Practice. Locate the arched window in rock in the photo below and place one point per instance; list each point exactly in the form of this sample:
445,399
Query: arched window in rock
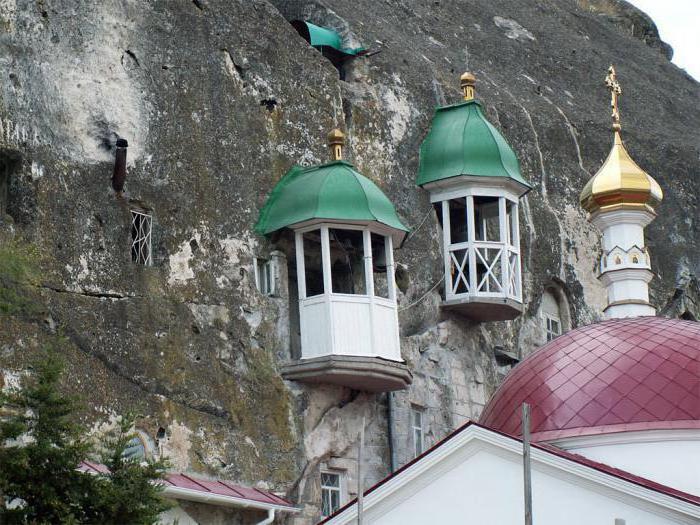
139,448
554,312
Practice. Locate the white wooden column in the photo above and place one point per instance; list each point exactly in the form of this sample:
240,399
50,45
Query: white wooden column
369,289
327,284
471,239
390,277
369,271
503,225
446,248
301,268
326,261
516,243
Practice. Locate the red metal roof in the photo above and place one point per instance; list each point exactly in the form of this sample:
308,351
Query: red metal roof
217,487
576,458
624,374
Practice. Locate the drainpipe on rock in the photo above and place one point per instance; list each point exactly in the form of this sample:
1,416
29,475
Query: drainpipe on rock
390,430
119,175
270,518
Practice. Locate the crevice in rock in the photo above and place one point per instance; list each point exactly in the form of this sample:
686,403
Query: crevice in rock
199,4
84,293
158,390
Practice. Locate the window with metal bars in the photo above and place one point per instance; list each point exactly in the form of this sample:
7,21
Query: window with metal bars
330,492
141,227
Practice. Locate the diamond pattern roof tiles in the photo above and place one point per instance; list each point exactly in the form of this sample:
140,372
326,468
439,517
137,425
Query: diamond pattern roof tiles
623,374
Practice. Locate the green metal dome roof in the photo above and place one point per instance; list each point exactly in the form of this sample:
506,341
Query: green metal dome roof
333,191
320,37
462,142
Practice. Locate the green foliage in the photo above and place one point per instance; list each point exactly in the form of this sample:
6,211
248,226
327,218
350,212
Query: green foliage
18,269
130,496
42,447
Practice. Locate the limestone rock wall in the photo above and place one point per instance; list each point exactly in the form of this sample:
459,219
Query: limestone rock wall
217,100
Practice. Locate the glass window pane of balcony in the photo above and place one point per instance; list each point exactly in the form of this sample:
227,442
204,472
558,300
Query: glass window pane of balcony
313,266
379,265
486,221
347,261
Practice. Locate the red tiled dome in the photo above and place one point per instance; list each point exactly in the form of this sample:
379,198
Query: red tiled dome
625,374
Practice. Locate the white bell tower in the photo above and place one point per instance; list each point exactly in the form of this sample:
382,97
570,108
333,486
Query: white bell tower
621,200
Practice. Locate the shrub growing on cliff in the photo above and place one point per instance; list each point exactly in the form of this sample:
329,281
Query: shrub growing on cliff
18,269
41,447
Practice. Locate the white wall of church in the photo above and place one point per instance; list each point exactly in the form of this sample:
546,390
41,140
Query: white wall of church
487,488
671,458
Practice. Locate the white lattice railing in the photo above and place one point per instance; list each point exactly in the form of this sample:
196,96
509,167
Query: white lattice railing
483,269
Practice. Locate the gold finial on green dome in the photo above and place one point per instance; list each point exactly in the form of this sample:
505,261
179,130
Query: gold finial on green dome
336,141
467,81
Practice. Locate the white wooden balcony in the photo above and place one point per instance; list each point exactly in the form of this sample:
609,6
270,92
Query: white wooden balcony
481,247
347,308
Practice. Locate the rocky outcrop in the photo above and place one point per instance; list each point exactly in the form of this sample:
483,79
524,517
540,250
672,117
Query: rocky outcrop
217,99
629,20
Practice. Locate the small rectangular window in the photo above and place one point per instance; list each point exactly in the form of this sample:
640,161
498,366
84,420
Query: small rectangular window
418,433
265,276
141,226
553,327
331,491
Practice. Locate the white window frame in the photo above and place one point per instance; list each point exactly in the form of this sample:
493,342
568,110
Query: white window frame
265,276
340,490
548,320
141,244
418,430
367,230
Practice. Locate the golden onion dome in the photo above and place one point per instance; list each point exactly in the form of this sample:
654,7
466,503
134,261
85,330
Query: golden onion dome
620,183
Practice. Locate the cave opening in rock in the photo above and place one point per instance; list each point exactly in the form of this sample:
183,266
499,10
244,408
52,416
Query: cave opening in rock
329,43
9,166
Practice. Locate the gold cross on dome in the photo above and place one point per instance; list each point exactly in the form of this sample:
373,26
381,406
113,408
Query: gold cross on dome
615,91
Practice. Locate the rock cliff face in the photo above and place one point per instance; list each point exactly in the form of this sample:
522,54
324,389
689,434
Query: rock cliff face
217,100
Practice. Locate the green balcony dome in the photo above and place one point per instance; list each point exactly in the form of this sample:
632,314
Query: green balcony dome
333,192
463,142
323,37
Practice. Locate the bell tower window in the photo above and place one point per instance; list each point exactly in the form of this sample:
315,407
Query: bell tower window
141,228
